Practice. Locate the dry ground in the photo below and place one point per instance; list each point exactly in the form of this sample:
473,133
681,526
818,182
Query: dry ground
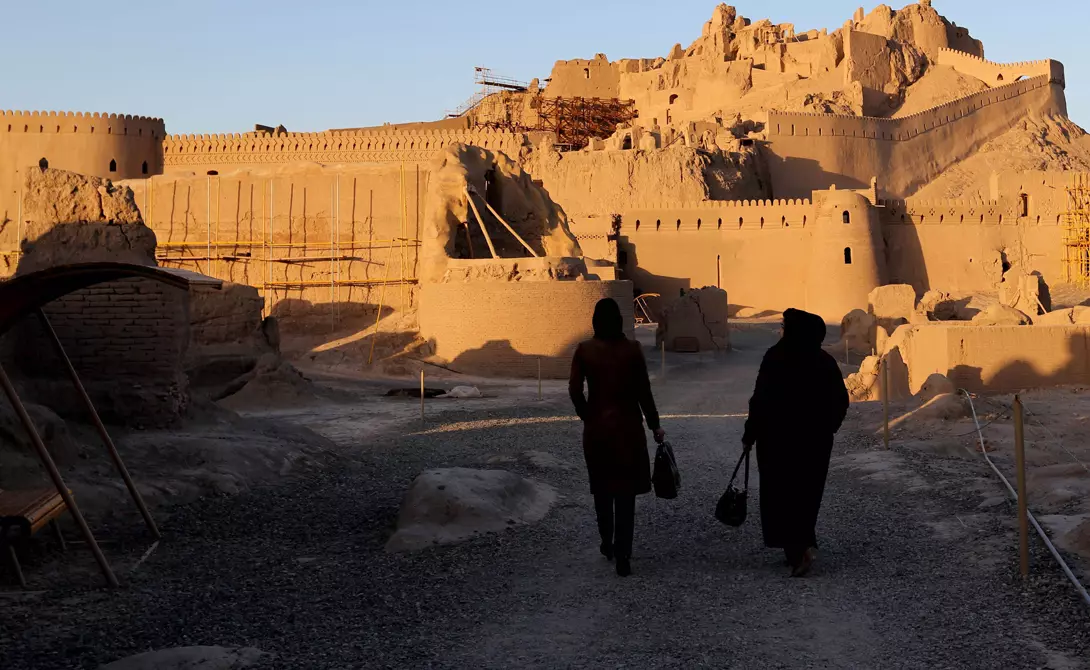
917,568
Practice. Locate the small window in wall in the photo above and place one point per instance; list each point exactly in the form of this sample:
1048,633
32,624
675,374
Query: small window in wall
1023,202
846,217
679,224
673,98
637,224
999,78
113,166
586,73
43,164
626,143
144,168
213,173
847,255
719,225
658,224
698,224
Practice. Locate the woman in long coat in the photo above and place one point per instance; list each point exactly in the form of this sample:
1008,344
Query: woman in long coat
614,442
797,406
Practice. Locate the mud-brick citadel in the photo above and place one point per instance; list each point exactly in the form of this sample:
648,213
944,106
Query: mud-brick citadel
788,167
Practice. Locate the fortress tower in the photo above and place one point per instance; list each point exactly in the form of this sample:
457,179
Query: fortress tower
847,255
113,146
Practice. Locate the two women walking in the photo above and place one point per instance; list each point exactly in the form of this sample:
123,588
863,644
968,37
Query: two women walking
798,405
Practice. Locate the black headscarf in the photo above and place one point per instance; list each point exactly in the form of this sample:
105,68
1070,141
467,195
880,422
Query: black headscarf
607,321
803,330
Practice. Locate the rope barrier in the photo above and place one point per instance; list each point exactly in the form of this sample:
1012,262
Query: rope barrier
1040,531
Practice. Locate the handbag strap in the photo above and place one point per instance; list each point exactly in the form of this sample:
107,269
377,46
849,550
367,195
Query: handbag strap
744,457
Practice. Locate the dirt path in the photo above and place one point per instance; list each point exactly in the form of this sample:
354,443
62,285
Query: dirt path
913,573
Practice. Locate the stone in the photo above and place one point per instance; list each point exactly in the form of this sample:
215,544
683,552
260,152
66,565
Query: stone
857,327
936,384
930,301
892,305
1022,292
192,658
1059,317
450,505
1001,315
697,318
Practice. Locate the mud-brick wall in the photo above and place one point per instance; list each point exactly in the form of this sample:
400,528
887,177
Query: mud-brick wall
126,339
505,328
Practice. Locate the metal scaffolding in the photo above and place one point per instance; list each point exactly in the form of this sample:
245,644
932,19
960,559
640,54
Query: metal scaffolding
1077,231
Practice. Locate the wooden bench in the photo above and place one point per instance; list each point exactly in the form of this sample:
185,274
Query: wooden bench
24,513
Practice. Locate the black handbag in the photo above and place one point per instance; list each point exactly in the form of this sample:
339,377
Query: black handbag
731,508
665,477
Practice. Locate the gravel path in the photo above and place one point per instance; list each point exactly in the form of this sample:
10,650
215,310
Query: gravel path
913,572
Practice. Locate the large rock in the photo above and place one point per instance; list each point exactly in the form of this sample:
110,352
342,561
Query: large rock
892,305
696,320
858,328
1022,292
929,304
192,658
1001,315
454,504
936,384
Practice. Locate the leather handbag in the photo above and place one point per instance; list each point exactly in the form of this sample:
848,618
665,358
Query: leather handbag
666,478
731,508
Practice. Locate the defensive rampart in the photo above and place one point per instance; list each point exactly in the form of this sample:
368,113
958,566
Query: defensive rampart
998,74
202,153
812,151
116,146
964,246
755,249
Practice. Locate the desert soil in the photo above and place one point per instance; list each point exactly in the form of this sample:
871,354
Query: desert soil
917,569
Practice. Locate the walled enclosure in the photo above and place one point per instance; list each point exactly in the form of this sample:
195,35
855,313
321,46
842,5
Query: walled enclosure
113,146
994,359
505,328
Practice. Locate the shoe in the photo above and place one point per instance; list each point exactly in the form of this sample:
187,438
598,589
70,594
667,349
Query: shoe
624,568
804,565
607,551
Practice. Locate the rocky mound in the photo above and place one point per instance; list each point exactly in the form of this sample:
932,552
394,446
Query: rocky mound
454,504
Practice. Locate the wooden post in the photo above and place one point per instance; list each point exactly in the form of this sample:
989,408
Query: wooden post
663,375
99,426
421,398
509,228
480,221
884,373
1020,465
539,378
55,476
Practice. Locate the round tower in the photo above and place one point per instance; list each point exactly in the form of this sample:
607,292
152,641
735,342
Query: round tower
113,146
847,256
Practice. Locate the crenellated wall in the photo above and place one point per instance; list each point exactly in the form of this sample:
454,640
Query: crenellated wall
757,250
962,245
997,74
115,146
760,251
808,152
203,153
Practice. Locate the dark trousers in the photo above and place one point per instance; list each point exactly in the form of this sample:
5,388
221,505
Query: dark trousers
616,520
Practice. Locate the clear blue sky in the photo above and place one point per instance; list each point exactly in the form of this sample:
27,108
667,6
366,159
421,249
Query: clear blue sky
223,65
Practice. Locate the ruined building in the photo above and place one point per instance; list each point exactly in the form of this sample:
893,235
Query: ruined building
788,167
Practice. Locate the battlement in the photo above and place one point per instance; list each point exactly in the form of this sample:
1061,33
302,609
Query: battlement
898,129
342,146
17,121
719,204
993,73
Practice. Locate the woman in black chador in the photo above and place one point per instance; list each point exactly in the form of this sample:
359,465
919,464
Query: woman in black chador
614,442
797,406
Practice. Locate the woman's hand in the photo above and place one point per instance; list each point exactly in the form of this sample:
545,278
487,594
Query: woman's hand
660,435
